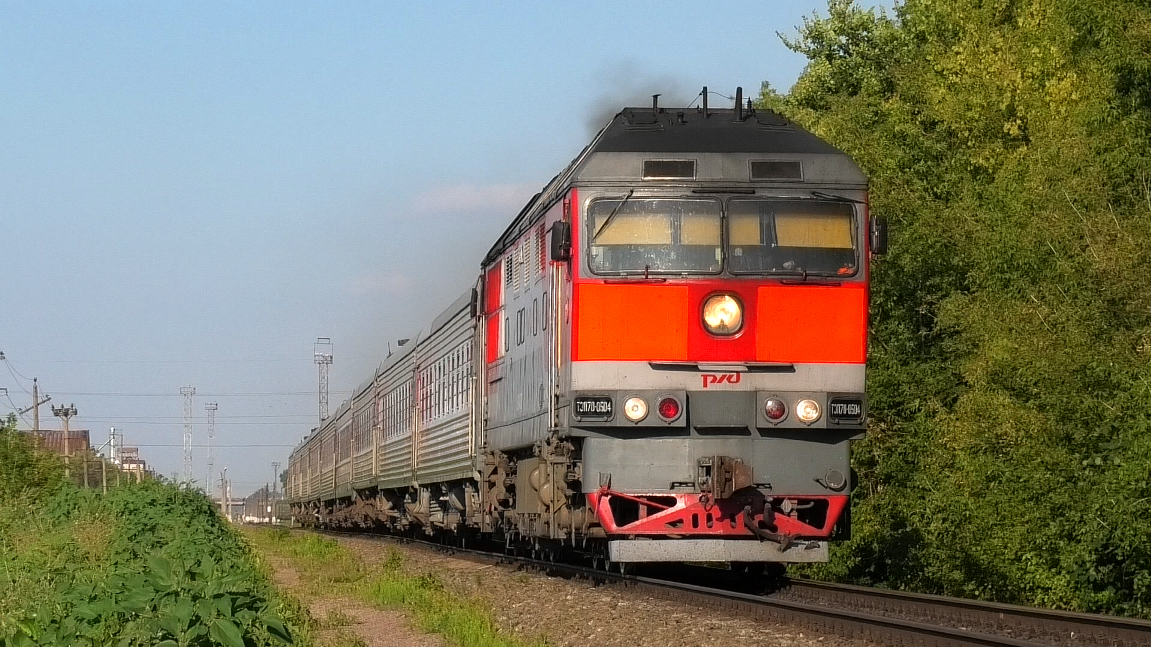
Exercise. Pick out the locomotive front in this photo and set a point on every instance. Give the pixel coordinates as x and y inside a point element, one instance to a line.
<point>716,336</point>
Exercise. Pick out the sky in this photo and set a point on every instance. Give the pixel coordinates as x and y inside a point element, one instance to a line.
<point>192,193</point>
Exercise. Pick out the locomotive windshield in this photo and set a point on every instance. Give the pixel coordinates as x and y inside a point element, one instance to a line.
<point>790,237</point>
<point>655,236</point>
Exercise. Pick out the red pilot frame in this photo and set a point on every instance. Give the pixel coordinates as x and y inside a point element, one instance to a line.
<point>741,516</point>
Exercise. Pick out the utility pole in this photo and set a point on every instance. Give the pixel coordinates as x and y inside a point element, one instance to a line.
<point>275,475</point>
<point>322,355</point>
<point>64,414</point>
<point>36,402</point>
<point>211,408</point>
<point>223,499</point>
<point>187,392</point>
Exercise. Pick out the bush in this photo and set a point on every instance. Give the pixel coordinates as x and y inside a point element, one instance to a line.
<point>1010,363</point>
<point>148,564</point>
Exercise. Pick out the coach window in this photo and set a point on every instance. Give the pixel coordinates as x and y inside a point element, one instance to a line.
<point>629,235</point>
<point>791,237</point>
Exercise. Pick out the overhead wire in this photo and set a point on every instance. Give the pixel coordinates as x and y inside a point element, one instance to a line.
<point>16,408</point>
<point>254,394</point>
<point>13,368</point>
<point>13,372</point>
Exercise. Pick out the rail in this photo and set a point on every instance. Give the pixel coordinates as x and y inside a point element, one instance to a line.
<point>878,615</point>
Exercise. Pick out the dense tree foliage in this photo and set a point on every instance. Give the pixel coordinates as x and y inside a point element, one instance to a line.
<point>1007,141</point>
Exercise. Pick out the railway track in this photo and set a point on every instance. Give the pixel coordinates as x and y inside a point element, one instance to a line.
<point>878,615</point>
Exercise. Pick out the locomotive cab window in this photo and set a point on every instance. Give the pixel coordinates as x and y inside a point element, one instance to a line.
<point>791,237</point>
<point>654,236</point>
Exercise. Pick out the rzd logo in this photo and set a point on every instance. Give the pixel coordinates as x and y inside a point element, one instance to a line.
<point>720,378</point>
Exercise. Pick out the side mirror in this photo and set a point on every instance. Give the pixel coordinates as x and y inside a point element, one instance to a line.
<point>878,240</point>
<point>561,242</point>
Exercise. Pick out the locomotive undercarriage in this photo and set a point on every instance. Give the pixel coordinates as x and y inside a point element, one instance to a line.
<point>533,502</point>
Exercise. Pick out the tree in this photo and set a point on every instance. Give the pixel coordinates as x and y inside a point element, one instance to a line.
<point>1007,141</point>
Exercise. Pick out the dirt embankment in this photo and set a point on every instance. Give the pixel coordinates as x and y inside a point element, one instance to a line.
<point>559,612</point>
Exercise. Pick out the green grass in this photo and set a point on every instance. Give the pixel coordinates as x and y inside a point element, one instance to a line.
<point>328,568</point>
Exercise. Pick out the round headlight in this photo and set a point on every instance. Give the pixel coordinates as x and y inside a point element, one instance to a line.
<point>807,411</point>
<point>635,409</point>
<point>775,409</point>
<point>668,408</point>
<point>722,314</point>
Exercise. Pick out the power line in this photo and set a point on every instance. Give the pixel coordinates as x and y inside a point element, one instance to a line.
<point>152,423</point>
<point>177,418</point>
<point>17,409</point>
<point>216,446</point>
<point>13,368</point>
<point>13,372</point>
<point>251,360</point>
<point>239,394</point>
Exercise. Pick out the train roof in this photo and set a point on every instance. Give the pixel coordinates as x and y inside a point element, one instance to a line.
<point>659,130</point>
<point>716,146</point>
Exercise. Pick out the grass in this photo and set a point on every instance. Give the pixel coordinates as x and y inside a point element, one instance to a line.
<point>328,569</point>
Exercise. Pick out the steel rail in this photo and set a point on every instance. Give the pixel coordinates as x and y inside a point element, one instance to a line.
<point>878,615</point>
<point>1051,626</point>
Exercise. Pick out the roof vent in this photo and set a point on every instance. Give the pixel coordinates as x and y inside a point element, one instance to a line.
<point>770,119</point>
<point>776,170</point>
<point>640,117</point>
<point>668,169</point>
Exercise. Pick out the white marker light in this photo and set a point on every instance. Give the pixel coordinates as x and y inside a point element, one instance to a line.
<point>807,411</point>
<point>635,409</point>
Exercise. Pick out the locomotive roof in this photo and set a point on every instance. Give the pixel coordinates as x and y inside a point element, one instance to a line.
<point>648,130</point>
<point>723,140</point>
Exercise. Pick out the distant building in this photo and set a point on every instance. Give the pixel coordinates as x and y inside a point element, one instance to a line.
<point>53,440</point>
<point>136,468</point>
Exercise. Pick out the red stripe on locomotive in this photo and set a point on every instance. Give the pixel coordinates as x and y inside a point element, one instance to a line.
<point>782,323</point>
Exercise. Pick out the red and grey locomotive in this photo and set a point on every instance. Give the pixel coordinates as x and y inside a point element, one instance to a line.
<point>663,360</point>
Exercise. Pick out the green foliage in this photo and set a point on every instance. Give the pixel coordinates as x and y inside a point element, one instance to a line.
<point>1010,369</point>
<point>26,470</point>
<point>324,562</point>
<point>149,564</point>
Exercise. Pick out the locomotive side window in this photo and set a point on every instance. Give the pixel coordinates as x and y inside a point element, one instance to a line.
<point>791,237</point>
<point>654,236</point>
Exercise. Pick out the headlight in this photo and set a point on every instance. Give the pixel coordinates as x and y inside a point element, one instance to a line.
<point>722,314</point>
<point>635,409</point>
<point>807,411</point>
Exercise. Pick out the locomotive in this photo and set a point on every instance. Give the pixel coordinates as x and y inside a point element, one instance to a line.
<point>662,360</point>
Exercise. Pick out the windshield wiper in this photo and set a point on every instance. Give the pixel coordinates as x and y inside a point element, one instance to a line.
<point>611,215</point>
<point>831,196</point>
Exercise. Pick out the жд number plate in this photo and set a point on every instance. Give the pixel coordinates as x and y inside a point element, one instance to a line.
<point>596,407</point>
<point>845,410</point>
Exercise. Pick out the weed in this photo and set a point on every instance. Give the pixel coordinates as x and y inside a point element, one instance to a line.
<point>422,597</point>
<point>336,618</point>
<point>147,564</point>
<point>344,638</point>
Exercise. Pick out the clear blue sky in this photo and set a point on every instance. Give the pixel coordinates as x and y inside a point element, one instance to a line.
<point>191,193</point>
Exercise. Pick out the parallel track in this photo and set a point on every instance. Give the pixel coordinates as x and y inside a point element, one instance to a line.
<point>878,615</point>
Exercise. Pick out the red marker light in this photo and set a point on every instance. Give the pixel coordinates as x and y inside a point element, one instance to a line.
<point>668,408</point>
<point>774,409</point>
